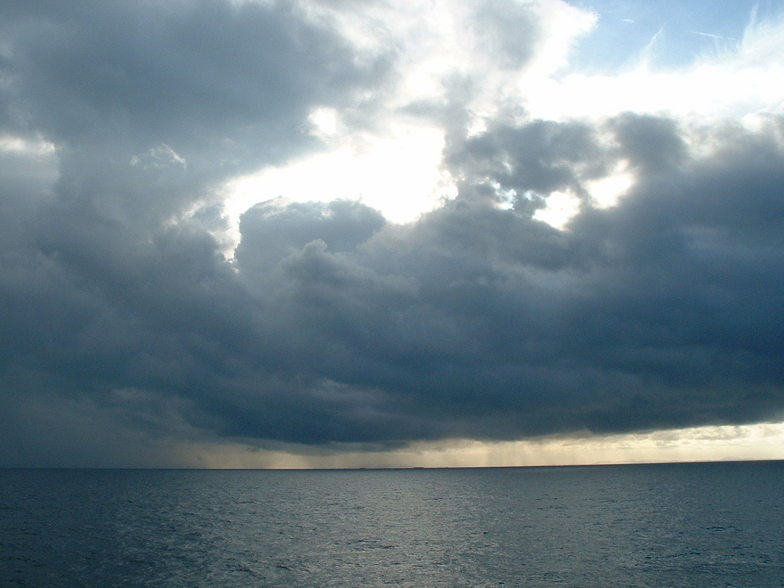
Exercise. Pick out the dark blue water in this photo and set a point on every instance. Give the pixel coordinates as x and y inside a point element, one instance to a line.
<point>651,525</point>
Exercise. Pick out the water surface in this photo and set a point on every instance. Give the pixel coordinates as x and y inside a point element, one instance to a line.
<point>716,524</point>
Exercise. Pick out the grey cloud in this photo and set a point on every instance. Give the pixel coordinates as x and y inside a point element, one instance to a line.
<point>650,314</point>
<point>476,321</point>
<point>271,231</point>
<point>187,72</point>
<point>650,142</point>
<point>507,31</point>
<point>226,88</point>
<point>120,313</point>
<point>541,156</point>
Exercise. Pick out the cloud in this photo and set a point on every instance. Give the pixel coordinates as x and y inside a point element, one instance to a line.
<point>126,325</point>
<point>218,85</point>
<point>730,81</point>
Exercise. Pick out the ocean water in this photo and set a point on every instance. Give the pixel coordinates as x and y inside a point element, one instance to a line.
<point>714,524</point>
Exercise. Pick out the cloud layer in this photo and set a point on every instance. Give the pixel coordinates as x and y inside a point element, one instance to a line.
<point>126,325</point>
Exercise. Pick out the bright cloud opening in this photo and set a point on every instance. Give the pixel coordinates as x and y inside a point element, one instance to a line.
<point>606,191</point>
<point>560,208</point>
<point>398,174</point>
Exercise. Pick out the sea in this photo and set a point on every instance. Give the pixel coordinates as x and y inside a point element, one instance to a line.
<point>695,524</point>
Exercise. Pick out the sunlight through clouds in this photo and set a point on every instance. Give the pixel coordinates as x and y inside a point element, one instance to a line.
<point>396,166</point>
<point>450,53</point>
<point>560,207</point>
<point>715,443</point>
<point>399,173</point>
<point>344,233</point>
<point>606,191</point>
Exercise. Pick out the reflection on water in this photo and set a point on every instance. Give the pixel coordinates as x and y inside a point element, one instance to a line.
<point>678,524</point>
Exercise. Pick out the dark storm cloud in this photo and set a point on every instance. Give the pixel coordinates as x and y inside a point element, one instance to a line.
<point>532,160</point>
<point>123,322</point>
<point>480,321</point>
<point>193,72</point>
<point>147,105</point>
<point>148,102</point>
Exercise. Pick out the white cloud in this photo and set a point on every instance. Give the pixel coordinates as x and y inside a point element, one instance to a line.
<point>26,146</point>
<point>397,172</point>
<point>442,55</point>
<point>395,166</point>
<point>728,84</point>
<point>158,157</point>
<point>561,206</point>
<point>606,191</point>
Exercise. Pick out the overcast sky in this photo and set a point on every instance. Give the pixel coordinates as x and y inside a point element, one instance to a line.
<point>257,233</point>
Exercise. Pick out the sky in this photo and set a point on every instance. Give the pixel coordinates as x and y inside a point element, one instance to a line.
<point>250,233</point>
